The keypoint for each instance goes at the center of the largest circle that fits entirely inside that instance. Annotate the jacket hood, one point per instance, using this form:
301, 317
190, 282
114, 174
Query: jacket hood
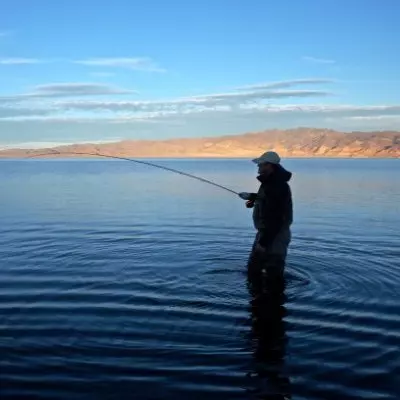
279, 175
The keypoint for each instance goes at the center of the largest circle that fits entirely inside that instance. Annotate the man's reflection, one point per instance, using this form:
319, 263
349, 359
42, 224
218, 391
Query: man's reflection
266, 286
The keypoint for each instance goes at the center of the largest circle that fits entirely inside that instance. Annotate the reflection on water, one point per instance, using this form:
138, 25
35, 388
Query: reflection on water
266, 286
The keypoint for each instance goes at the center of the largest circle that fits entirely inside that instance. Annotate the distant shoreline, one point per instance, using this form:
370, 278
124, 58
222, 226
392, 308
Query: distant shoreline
72, 158
295, 143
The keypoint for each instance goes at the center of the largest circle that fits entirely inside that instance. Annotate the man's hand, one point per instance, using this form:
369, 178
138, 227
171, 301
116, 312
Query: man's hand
250, 204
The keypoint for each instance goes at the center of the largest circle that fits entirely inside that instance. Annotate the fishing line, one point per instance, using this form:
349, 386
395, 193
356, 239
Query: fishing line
138, 162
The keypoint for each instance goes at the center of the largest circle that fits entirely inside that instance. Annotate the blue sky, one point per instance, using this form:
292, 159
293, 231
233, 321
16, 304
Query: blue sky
85, 71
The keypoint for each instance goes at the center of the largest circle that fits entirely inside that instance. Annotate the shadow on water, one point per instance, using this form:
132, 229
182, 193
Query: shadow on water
269, 380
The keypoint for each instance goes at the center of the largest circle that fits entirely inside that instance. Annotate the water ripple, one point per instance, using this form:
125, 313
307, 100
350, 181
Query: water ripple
107, 296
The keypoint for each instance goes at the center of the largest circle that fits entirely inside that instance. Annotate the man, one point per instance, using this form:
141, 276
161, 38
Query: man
272, 216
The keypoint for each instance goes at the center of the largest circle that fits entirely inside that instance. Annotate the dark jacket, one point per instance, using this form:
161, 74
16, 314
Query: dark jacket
273, 208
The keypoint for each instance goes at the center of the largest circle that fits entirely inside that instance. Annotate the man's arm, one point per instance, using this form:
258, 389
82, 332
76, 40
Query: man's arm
248, 196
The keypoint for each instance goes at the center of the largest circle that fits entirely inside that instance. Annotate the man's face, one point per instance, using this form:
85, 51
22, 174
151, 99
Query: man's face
265, 169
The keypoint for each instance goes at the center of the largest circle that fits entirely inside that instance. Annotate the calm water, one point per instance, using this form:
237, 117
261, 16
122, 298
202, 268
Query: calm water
119, 281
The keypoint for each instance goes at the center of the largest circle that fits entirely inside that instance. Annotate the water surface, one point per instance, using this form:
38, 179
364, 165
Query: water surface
120, 281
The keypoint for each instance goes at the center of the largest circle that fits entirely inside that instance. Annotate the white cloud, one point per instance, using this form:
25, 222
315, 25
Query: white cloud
324, 108
190, 104
61, 108
19, 61
318, 60
80, 120
70, 89
141, 112
134, 63
76, 89
162, 125
130, 63
286, 84
256, 95
376, 117
7, 112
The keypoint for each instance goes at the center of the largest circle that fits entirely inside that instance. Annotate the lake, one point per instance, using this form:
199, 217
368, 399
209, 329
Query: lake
122, 281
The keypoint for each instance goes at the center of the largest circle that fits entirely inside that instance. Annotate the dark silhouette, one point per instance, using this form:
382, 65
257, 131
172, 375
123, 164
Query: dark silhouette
268, 339
272, 208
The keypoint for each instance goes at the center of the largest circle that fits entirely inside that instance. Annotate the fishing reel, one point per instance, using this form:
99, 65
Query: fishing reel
250, 203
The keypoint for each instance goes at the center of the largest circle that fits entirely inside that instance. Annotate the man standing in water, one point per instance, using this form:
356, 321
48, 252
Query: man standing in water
272, 217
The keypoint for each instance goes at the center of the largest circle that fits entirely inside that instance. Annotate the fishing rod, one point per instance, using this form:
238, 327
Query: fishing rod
138, 162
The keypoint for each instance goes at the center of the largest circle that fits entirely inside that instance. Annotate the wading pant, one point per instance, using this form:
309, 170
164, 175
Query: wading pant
266, 267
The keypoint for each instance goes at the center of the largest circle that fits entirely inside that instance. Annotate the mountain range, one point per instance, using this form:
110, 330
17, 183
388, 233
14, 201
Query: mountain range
301, 142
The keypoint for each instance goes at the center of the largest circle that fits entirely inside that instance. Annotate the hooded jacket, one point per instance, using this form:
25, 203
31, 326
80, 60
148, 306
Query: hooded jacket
273, 210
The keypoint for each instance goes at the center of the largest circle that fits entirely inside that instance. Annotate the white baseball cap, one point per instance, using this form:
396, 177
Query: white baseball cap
268, 157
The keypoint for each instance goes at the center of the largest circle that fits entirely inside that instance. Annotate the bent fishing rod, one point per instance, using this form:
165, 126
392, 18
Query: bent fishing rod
56, 152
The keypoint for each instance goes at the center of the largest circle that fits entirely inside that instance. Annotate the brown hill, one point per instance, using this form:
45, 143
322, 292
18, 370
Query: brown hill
302, 142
